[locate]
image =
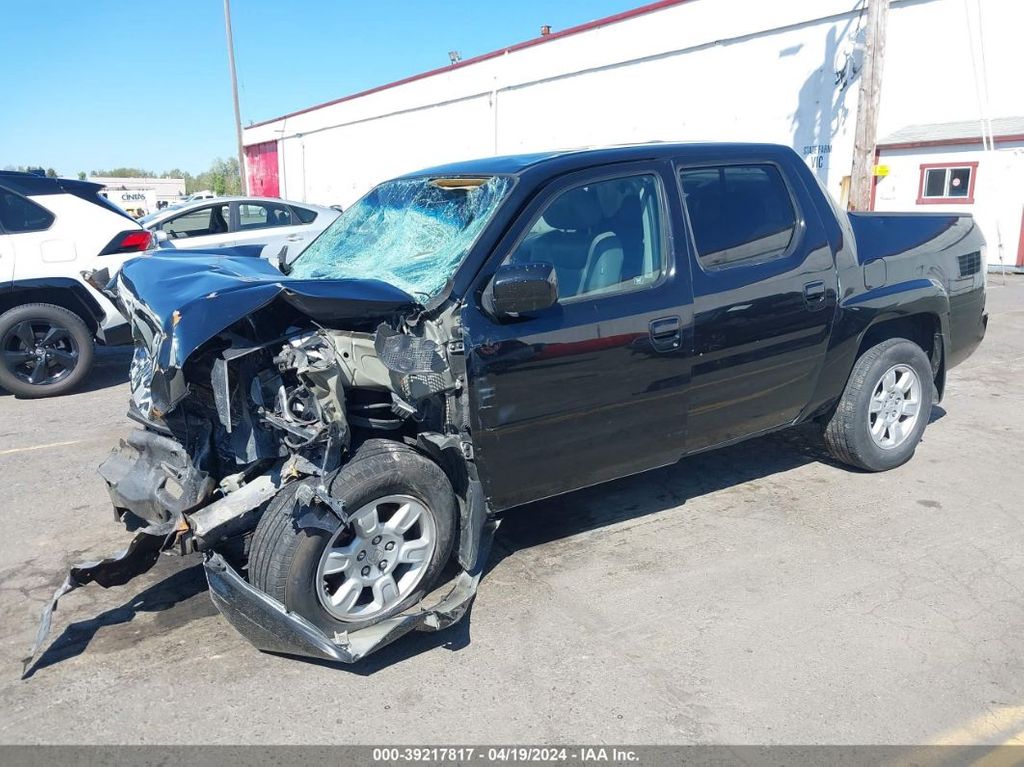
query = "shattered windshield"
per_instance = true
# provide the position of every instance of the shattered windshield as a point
(412, 233)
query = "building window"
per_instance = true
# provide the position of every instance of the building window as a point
(947, 183)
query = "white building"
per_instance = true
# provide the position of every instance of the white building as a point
(676, 70)
(944, 167)
(165, 189)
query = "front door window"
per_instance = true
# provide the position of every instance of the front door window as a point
(198, 223)
(602, 238)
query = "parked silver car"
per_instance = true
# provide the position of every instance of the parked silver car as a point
(229, 221)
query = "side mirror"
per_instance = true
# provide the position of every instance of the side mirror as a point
(161, 237)
(282, 260)
(524, 288)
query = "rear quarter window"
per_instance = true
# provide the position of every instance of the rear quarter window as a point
(305, 215)
(19, 214)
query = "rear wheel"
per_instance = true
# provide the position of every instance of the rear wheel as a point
(45, 350)
(402, 522)
(884, 408)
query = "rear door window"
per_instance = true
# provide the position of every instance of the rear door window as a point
(19, 214)
(739, 214)
(263, 216)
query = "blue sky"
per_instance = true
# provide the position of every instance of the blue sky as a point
(101, 83)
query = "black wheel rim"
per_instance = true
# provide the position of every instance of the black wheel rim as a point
(39, 352)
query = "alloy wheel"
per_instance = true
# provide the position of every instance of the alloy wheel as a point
(378, 559)
(895, 407)
(39, 352)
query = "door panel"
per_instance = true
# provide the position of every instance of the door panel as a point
(583, 392)
(764, 299)
(269, 237)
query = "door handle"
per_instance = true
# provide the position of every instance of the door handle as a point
(666, 333)
(294, 237)
(814, 294)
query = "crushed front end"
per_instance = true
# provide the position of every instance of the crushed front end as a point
(245, 383)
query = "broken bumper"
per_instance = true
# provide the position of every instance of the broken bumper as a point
(268, 625)
(153, 477)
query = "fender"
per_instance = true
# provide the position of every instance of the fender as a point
(448, 452)
(888, 302)
(858, 313)
(83, 301)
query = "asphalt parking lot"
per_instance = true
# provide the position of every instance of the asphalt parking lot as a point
(758, 594)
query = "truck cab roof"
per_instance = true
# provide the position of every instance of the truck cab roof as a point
(566, 160)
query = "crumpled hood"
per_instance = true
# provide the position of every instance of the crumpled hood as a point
(179, 301)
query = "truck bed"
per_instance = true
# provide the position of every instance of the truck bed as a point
(881, 235)
(948, 248)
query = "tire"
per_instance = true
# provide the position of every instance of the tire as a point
(64, 339)
(869, 406)
(286, 561)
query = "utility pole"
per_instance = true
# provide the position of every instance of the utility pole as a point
(862, 177)
(234, 97)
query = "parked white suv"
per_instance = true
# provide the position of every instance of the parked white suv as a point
(51, 231)
(233, 221)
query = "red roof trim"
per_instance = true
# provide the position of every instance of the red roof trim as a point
(950, 141)
(630, 14)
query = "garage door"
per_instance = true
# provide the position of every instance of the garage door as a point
(261, 165)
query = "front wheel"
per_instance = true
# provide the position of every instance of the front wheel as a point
(402, 522)
(884, 409)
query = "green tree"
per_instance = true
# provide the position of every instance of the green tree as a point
(24, 168)
(222, 178)
(125, 173)
(51, 173)
(182, 174)
(81, 175)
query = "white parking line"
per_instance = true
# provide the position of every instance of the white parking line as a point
(39, 447)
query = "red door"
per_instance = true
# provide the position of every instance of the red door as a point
(261, 168)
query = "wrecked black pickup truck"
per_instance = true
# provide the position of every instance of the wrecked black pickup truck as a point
(477, 336)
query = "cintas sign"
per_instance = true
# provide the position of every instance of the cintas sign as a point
(132, 200)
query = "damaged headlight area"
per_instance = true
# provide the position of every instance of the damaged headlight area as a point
(303, 397)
